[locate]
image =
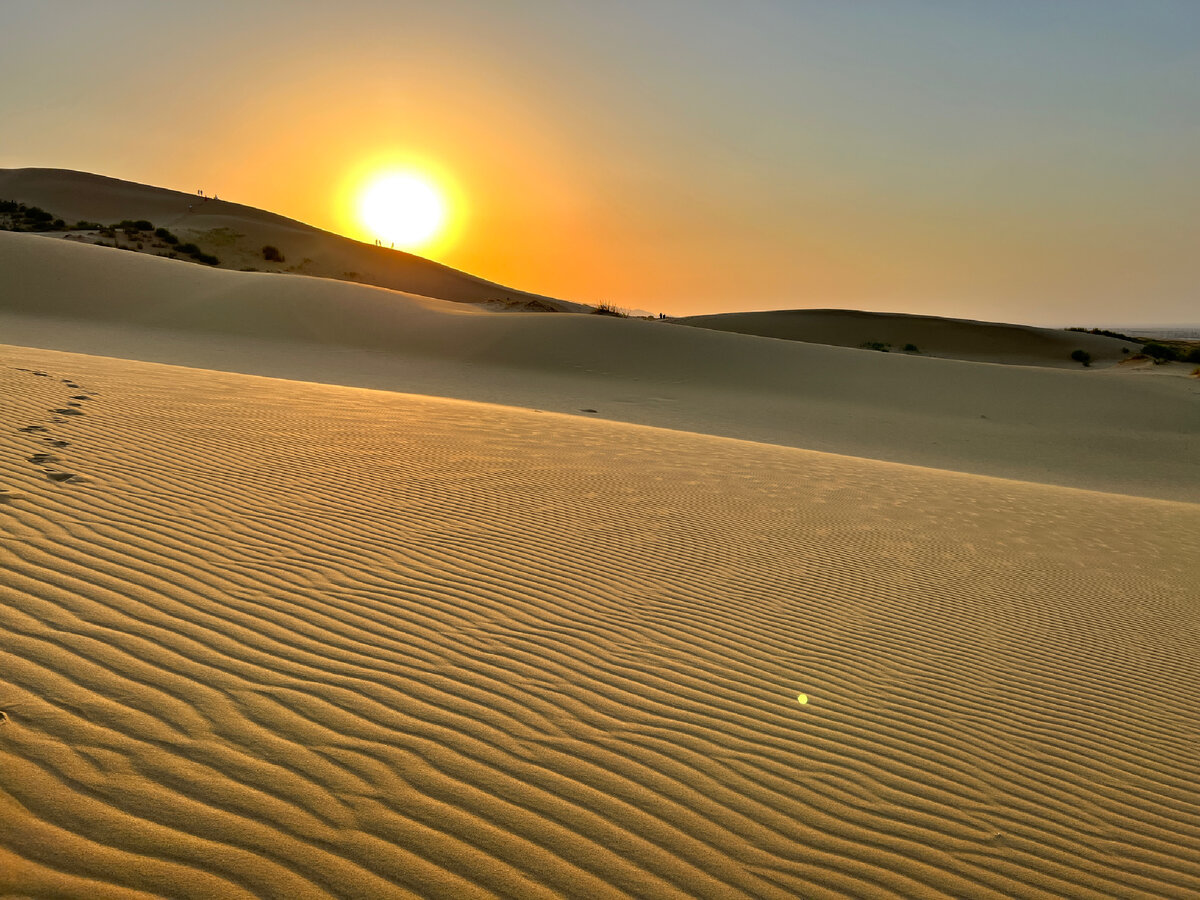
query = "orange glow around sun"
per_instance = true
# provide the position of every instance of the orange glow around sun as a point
(411, 206)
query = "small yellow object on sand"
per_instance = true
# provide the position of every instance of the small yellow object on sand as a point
(803, 698)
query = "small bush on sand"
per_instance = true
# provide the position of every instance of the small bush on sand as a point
(1082, 356)
(272, 254)
(1160, 353)
(877, 345)
(911, 348)
(1193, 355)
(607, 309)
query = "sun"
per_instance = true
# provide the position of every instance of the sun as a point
(403, 209)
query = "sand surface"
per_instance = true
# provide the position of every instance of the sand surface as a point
(278, 639)
(1106, 430)
(460, 603)
(236, 234)
(1020, 345)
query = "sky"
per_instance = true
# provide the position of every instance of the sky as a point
(1005, 160)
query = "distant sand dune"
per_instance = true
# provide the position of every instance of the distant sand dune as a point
(964, 339)
(297, 640)
(1107, 430)
(236, 234)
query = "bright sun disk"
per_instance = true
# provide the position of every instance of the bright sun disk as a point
(403, 209)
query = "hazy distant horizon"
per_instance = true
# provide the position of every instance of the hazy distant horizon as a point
(1024, 162)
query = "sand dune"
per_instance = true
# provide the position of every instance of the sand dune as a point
(966, 339)
(236, 234)
(1103, 430)
(522, 605)
(274, 639)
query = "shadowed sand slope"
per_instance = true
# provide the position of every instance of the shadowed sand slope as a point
(271, 639)
(931, 335)
(1106, 430)
(236, 234)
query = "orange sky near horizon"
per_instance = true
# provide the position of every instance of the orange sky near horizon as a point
(1024, 165)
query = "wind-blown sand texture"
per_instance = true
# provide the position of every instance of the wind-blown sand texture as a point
(236, 234)
(1105, 430)
(274, 639)
(460, 603)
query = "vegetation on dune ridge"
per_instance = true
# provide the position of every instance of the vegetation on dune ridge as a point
(1105, 332)
(883, 347)
(1172, 351)
(140, 234)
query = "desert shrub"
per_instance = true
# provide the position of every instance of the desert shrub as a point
(165, 236)
(143, 225)
(35, 214)
(1193, 355)
(1082, 356)
(272, 254)
(607, 309)
(9, 206)
(207, 258)
(1103, 331)
(911, 348)
(1160, 353)
(877, 345)
(189, 249)
(60, 224)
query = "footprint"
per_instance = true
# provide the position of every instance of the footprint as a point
(68, 411)
(62, 476)
(81, 397)
(54, 443)
(34, 428)
(43, 458)
(73, 403)
(8, 495)
(588, 410)
(3, 717)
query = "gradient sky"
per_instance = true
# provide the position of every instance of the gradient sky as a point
(1007, 160)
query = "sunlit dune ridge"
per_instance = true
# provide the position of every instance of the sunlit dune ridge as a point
(275, 639)
(1104, 430)
(236, 234)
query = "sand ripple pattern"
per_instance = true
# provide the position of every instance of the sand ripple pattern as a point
(292, 640)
